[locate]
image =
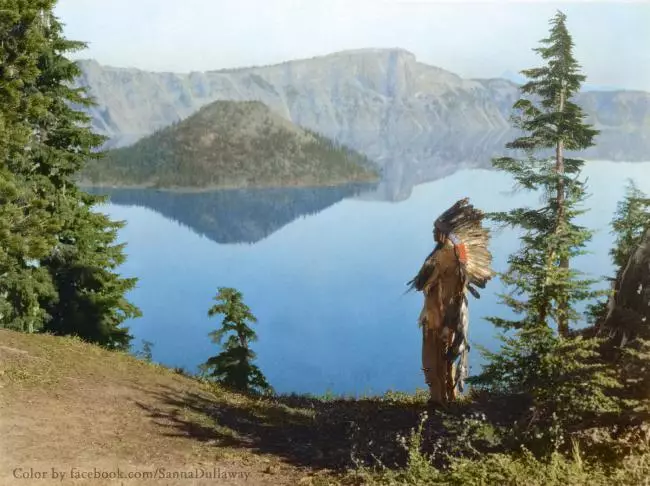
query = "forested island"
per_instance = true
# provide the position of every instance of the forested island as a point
(231, 144)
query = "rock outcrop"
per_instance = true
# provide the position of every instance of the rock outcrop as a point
(628, 313)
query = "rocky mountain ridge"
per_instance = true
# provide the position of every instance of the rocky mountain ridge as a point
(356, 97)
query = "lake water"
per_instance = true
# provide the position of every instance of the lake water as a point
(322, 269)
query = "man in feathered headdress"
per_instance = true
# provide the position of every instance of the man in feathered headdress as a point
(459, 262)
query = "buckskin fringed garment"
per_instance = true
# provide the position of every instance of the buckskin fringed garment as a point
(460, 262)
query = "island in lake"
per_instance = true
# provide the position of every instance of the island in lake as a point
(231, 144)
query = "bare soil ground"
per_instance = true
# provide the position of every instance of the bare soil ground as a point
(69, 410)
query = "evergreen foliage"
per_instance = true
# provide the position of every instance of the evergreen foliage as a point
(629, 332)
(548, 119)
(26, 231)
(58, 256)
(91, 301)
(234, 367)
(556, 383)
(556, 372)
(631, 221)
(146, 353)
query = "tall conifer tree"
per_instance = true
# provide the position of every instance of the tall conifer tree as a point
(541, 361)
(81, 293)
(549, 120)
(27, 232)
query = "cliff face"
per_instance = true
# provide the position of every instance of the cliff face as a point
(355, 97)
(374, 99)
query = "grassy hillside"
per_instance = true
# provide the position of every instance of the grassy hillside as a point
(77, 408)
(231, 144)
(107, 410)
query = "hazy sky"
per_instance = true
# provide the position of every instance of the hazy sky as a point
(478, 39)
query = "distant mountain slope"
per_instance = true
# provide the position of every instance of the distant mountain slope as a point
(378, 101)
(232, 144)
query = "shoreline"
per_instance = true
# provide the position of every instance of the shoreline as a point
(226, 187)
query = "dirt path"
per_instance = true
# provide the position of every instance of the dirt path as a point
(71, 413)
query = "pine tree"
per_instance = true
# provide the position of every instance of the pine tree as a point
(80, 293)
(91, 294)
(27, 233)
(557, 373)
(550, 120)
(234, 367)
(146, 353)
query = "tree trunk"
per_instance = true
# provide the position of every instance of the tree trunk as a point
(563, 305)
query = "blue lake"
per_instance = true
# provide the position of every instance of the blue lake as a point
(323, 270)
